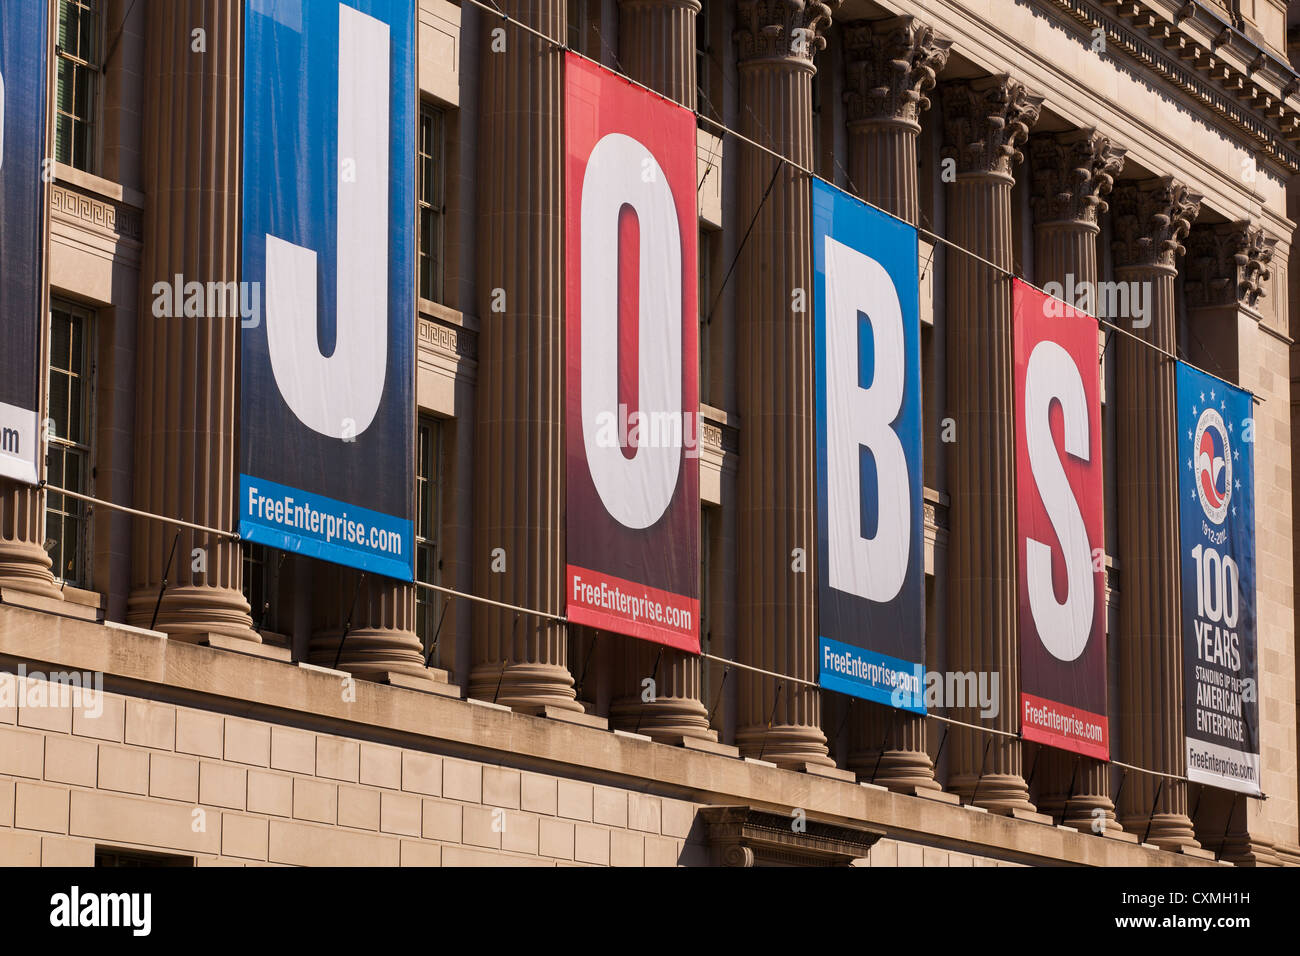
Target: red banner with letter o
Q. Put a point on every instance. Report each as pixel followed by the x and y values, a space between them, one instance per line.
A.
pixel 632 388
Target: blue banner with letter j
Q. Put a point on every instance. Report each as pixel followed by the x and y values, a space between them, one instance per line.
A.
pixel 327 458
pixel 24 50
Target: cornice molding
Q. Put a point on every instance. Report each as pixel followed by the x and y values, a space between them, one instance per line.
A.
pixel 1253 97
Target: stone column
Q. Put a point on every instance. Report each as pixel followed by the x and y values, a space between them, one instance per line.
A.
pixel 1072 172
pixel 1150 219
pixel 776 518
pixel 186 369
pixel 657 48
pixel 521 660
pixel 379 616
pixel 985 122
pixel 24 563
pixel 890 66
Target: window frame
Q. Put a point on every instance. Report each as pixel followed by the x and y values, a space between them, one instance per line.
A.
pixel 435 158
pixel 94 71
pixel 83 448
pixel 430 477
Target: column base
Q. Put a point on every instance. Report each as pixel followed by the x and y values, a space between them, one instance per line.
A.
pixel 26 567
pixel 370 653
pixel 786 745
pixel 192 613
pixel 995 792
pixel 665 719
pixel 1169 831
pixel 1080 812
pixel 1243 850
pixel 902 771
pixel 526 688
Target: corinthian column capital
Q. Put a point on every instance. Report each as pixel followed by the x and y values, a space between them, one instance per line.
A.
pixel 1228 264
pixel 1151 219
pixel 889 67
pixel 1073 172
pixel 986 121
pixel 782 30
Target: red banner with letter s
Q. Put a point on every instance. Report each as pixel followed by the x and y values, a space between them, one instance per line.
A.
pixel 1060 526
pixel 632 388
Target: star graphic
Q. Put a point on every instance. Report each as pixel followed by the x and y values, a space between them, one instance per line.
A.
pixel 1237 484
pixel 1189 434
pixel 1229 426
pixel 1193 494
pixel 1202 396
pixel 1189 464
pixel 1211 394
pixel 1235 454
pixel 1223 406
pixel 1234 511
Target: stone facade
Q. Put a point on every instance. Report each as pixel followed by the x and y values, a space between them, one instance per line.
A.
pixel 1142 141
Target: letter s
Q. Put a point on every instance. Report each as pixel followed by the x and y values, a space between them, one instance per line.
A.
pixel 1063 627
pixel 349 384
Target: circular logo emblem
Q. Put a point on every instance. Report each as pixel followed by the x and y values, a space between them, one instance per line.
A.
pixel 1213 466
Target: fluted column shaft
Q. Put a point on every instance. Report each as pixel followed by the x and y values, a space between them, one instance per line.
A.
pixel 657 48
pixel 1072 172
pixel 519 659
pixel 187 403
pixel 1151 672
pixel 985 122
pixel 1150 220
pixel 378 615
pixel 981 543
pixel 890 65
pixel 776 516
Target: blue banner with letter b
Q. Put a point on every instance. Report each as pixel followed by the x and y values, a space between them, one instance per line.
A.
pixel 870 590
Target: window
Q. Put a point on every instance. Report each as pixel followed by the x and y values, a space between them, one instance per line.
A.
pixel 705 304
pixel 428 539
pixel 111 856
pixel 261 567
pixel 710 672
pixel 433 204
pixel 68 452
pixel 77 57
